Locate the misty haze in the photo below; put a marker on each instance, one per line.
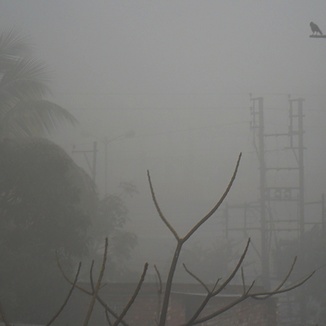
(137, 132)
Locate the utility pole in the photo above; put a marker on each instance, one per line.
(289, 190)
(298, 152)
(129, 134)
(106, 167)
(257, 124)
(92, 166)
(323, 216)
(94, 161)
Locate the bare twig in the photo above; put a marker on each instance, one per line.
(99, 299)
(91, 280)
(159, 280)
(243, 280)
(218, 204)
(215, 292)
(265, 295)
(68, 280)
(220, 311)
(235, 270)
(107, 317)
(166, 222)
(159, 294)
(109, 310)
(97, 286)
(282, 283)
(245, 295)
(133, 297)
(208, 297)
(67, 298)
(196, 278)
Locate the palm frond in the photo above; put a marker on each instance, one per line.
(23, 110)
(12, 46)
(25, 80)
(33, 118)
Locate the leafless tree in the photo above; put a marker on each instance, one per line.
(164, 293)
(247, 290)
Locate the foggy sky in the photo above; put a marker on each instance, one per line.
(179, 74)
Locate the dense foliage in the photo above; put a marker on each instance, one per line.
(109, 222)
(40, 215)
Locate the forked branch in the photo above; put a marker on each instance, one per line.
(133, 297)
(181, 241)
(214, 292)
(97, 286)
(90, 293)
(95, 291)
(246, 293)
(160, 213)
(67, 298)
(218, 204)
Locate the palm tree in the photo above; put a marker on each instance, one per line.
(34, 172)
(24, 111)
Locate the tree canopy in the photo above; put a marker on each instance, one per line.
(41, 215)
(47, 203)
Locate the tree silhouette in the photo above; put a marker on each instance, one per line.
(24, 110)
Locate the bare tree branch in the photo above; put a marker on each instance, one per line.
(287, 289)
(235, 270)
(246, 294)
(99, 299)
(97, 287)
(166, 222)
(181, 241)
(220, 311)
(243, 280)
(134, 296)
(109, 310)
(159, 280)
(91, 280)
(191, 321)
(282, 283)
(196, 278)
(168, 286)
(107, 317)
(218, 204)
(67, 298)
(68, 280)
(215, 292)
(159, 294)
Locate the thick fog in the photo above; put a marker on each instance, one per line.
(167, 84)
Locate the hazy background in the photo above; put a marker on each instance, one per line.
(178, 74)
